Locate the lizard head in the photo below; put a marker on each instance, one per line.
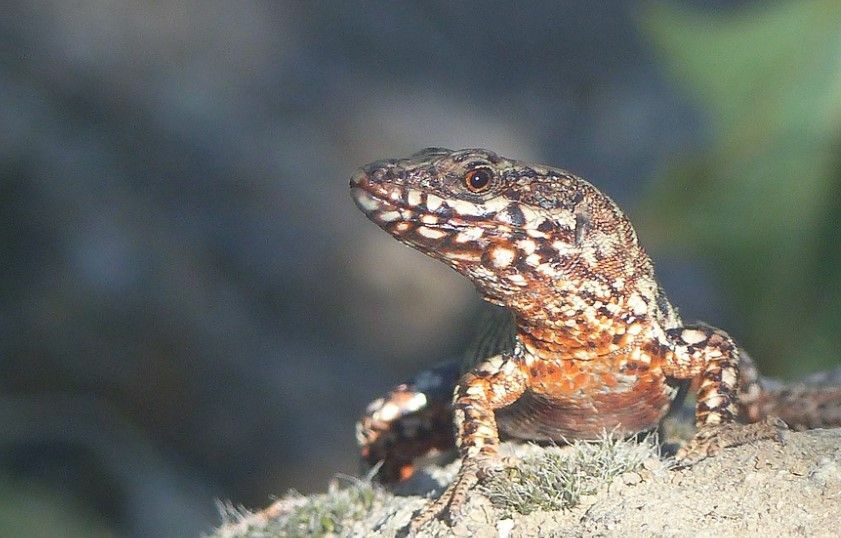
(511, 227)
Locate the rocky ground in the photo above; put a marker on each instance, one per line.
(613, 488)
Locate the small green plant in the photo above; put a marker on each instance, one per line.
(557, 479)
(298, 516)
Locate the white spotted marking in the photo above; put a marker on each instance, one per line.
(413, 197)
(707, 383)
(476, 448)
(475, 390)
(388, 412)
(458, 419)
(503, 256)
(389, 216)
(589, 255)
(495, 204)
(416, 402)
(492, 364)
(637, 304)
(465, 208)
(483, 430)
(561, 248)
(433, 202)
(508, 368)
(367, 202)
(499, 390)
(532, 218)
(373, 406)
(528, 246)
(430, 219)
(483, 273)
(729, 377)
(534, 260)
(693, 336)
(470, 234)
(565, 220)
(613, 308)
(537, 234)
(431, 233)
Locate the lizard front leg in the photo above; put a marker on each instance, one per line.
(492, 384)
(711, 357)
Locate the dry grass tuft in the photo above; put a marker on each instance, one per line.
(556, 479)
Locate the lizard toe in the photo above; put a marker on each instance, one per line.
(450, 506)
(710, 440)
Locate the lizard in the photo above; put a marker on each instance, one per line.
(585, 339)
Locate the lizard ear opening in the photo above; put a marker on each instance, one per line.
(582, 226)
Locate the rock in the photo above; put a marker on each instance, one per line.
(794, 490)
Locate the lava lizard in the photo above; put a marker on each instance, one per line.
(586, 341)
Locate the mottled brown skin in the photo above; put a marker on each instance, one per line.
(587, 342)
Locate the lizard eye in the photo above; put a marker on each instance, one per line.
(478, 180)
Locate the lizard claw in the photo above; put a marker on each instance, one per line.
(451, 503)
(710, 440)
(449, 507)
(489, 467)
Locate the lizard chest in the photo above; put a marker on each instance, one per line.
(580, 399)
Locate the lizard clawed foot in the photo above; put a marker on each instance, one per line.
(450, 505)
(710, 440)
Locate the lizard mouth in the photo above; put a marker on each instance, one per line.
(429, 225)
(398, 209)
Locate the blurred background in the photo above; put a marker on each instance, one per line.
(191, 307)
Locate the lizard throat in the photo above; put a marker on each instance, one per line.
(574, 339)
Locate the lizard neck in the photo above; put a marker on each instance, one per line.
(584, 330)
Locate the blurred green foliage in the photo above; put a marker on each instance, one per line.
(32, 511)
(762, 199)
